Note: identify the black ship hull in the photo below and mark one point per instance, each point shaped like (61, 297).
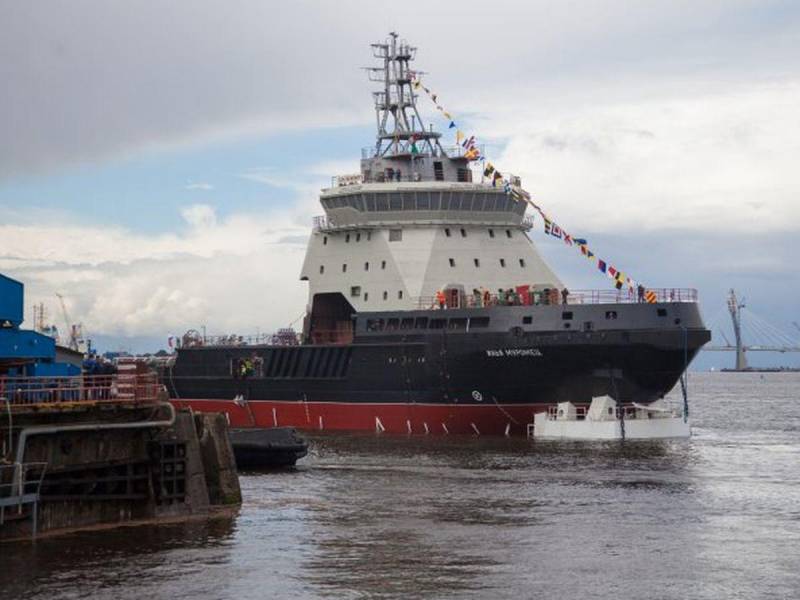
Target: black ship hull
(434, 382)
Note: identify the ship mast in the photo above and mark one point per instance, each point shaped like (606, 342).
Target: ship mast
(401, 132)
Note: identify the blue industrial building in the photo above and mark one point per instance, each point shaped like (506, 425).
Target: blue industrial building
(24, 352)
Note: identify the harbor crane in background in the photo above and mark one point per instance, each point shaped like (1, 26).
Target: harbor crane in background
(771, 339)
(75, 339)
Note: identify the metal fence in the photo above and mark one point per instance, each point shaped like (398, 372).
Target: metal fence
(19, 486)
(83, 389)
(527, 297)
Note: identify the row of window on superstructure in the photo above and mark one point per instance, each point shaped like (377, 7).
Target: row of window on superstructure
(396, 235)
(451, 262)
(448, 232)
(344, 267)
(355, 292)
(477, 262)
(457, 323)
(426, 200)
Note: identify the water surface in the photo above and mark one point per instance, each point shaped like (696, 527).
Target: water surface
(467, 517)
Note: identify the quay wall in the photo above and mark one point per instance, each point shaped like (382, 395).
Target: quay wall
(114, 476)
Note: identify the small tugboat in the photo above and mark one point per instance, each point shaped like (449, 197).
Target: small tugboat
(604, 420)
(267, 447)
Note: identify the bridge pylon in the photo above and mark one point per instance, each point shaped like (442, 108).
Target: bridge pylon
(735, 308)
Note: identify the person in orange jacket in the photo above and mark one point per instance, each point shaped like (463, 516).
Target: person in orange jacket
(440, 299)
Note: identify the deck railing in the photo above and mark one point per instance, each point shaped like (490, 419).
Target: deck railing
(522, 297)
(83, 389)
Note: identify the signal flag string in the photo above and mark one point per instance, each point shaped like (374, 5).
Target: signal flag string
(472, 153)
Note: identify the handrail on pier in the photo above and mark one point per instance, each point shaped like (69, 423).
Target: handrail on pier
(83, 389)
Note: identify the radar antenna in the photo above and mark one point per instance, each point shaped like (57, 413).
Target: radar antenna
(399, 123)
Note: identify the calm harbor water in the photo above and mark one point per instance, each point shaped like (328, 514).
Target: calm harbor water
(396, 517)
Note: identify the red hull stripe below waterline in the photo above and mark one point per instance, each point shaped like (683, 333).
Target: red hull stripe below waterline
(439, 419)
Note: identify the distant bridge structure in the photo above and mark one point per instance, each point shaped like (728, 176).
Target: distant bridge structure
(751, 333)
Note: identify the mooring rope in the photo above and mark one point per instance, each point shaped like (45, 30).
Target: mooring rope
(619, 406)
(684, 378)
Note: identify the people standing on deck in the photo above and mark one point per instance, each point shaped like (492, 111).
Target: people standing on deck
(440, 299)
(476, 297)
(640, 293)
(564, 296)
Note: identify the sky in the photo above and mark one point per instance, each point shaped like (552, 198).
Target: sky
(161, 162)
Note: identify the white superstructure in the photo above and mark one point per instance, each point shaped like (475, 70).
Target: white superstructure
(399, 259)
(414, 221)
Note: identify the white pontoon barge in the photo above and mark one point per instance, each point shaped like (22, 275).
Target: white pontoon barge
(604, 420)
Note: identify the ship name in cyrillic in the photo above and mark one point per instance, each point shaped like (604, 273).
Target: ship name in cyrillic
(514, 352)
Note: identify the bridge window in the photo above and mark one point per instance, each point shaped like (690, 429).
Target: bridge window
(381, 203)
(421, 323)
(407, 324)
(395, 235)
(395, 201)
(392, 324)
(370, 201)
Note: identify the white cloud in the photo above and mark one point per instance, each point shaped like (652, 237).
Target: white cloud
(700, 160)
(199, 186)
(235, 274)
(199, 216)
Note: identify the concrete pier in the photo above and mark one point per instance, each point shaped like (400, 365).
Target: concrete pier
(107, 463)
